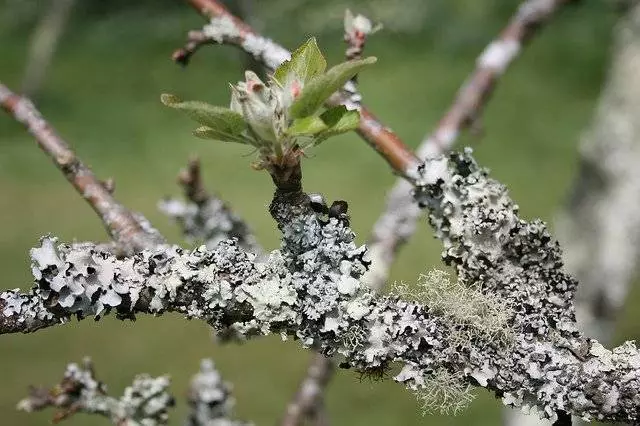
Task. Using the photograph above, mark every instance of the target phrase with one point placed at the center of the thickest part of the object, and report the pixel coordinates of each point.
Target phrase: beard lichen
(474, 319)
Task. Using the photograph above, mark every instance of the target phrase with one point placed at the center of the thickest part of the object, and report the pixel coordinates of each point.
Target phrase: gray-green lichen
(209, 222)
(210, 399)
(144, 403)
(311, 290)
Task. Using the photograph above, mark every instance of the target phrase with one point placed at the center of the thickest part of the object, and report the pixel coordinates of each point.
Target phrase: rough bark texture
(310, 290)
(600, 225)
(398, 221)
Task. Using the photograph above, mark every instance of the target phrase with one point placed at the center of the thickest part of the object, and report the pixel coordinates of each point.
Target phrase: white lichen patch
(509, 276)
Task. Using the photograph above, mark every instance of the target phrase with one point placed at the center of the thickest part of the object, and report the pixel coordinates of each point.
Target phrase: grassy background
(102, 94)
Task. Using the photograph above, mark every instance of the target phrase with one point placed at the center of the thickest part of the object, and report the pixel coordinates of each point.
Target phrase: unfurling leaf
(338, 120)
(307, 126)
(206, 132)
(321, 87)
(222, 119)
(306, 62)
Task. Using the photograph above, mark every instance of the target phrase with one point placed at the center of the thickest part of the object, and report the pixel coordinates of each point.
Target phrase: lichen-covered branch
(124, 227)
(144, 403)
(397, 223)
(310, 289)
(205, 217)
(599, 226)
(210, 399)
(224, 28)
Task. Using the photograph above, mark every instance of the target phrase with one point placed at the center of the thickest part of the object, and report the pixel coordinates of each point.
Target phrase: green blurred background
(102, 94)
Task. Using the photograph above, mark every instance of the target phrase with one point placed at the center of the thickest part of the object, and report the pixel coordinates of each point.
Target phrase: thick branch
(531, 354)
(398, 222)
(124, 227)
(225, 28)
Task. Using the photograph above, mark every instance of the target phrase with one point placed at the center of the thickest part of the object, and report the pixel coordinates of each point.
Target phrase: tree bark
(599, 227)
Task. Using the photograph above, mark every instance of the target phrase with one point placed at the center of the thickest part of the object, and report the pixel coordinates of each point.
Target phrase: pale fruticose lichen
(144, 403)
(310, 289)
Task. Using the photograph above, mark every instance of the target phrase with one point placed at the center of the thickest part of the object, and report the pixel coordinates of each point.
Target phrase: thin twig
(44, 42)
(308, 400)
(398, 222)
(191, 180)
(125, 229)
(236, 32)
(195, 40)
(205, 217)
(356, 30)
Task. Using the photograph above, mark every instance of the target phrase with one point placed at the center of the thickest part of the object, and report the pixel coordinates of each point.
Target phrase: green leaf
(306, 62)
(206, 132)
(320, 88)
(307, 126)
(215, 117)
(338, 120)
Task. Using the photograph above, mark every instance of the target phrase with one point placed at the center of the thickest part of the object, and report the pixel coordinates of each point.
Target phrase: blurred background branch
(599, 225)
(44, 42)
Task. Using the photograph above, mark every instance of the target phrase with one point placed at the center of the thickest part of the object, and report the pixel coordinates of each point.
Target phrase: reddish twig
(190, 179)
(123, 226)
(195, 40)
(472, 97)
(397, 223)
(381, 138)
(356, 30)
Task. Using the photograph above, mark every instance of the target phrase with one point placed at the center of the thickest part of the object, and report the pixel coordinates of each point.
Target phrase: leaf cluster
(284, 116)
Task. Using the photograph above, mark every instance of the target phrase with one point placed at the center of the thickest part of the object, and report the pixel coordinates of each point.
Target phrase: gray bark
(600, 226)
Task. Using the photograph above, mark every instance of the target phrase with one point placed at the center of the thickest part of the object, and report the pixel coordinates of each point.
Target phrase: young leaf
(215, 117)
(338, 120)
(307, 126)
(318, 90)
(306, 62)
(206, 132)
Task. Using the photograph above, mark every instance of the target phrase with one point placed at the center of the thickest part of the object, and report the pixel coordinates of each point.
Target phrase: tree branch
(308, 400)
(224, 28)
(516, 335)
(125, 228)
(204, 217)
(397, 223)
(145, 402)
(210, 399)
